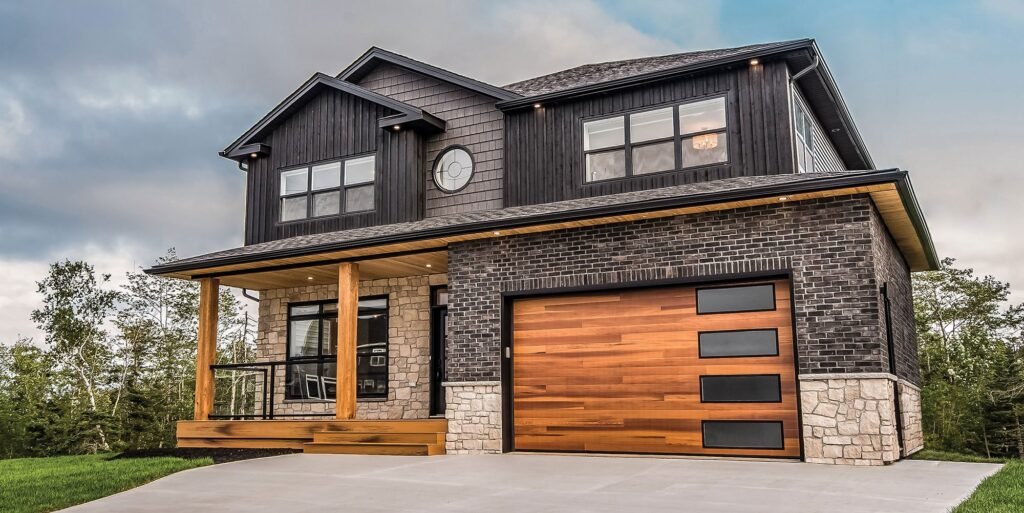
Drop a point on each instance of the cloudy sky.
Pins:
(111, 113)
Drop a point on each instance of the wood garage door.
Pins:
(643, 371)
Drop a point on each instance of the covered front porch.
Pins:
(347, 358)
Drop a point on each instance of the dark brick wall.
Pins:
(892, 269)
(829, 245)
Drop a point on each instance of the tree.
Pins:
(967, 337)
(75, 307)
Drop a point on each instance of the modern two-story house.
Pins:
(685, 254)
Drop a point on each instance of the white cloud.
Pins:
(132, 92)
(15, 128)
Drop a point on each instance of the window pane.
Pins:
(293, 208)
(742, 435)
(705, 149)
(359, 198)
(293, 182)
(602, 166)
(359, 170)
(739, 343)
(326, 203)
(653, 158)
(303, 381)
(744, 298)
(646, 126)
(329, 329)
(702, 116)
(327, 176)
(740, 389)
(302, 339)
(372, 348)
(604, 133)
(304, 310)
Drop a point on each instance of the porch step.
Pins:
(392, 449)
(433, 437)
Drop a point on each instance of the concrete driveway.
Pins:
(548, 483)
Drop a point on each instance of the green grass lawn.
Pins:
(36, 485)
(1002, 492)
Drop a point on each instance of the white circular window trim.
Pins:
(453, 169)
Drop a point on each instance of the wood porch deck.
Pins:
(423, 437)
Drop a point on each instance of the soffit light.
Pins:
(536, 105)
(254, 155)
(754, 62)
(310, 278)
(397, 127)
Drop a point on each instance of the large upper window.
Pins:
(328, 189)
(805, 156)
(653, 141)
(313, 338)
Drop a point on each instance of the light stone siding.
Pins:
(408, 341)
(849, 421)
(910, 404)
(473, 411)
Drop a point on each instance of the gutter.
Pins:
(864, 178)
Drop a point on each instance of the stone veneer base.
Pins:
(849, 420)
(473, 411)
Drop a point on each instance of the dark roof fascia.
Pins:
(910, 204)
(308, 88)
(859, 179)
(828, 81)
(425, 121)
(375, 55)
(244, 152)
(601, 87)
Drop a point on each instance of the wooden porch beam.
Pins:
(348, 312)
(209, 294)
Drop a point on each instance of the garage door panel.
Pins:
(620, 372)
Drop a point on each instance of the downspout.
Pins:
(814, 65)
(245, 292)
(242, 166)
(891, 348)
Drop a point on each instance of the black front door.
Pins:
(438, 340)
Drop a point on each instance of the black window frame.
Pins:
(341, 189)
(775, 298)
(778, 382)
(320, 356)
(705, 422)
(676, 138)
(700, 351)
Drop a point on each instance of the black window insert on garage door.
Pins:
(754, 388)
(736, 343)
(742, 434)
(742, 298)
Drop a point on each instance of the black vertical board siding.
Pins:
(544, 147)
(335, 125)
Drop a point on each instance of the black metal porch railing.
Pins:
(247, 391)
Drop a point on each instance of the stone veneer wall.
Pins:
(849, 420)
(910, 404)
(473, 411)
(408, 344)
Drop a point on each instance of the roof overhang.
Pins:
(406, 115)
(891, 192)
(374, 56)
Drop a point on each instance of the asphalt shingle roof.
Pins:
(589, 74)
(325, 241)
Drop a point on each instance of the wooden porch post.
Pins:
(209, 293)
(348, 311)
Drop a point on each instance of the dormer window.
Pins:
(328, 189)
(653, 141)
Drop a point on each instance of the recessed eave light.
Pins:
(254, 155)
(497, 233)
(783, 198)
(754, 62)
(310, 278)
(536, 105)
(429, 265)
(397, 127)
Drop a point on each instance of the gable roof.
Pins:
(590, 74)
(404, 113)
(375, 56)
(916, 245)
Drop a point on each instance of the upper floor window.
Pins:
(652, 141)
(328, 189)
(802, 127)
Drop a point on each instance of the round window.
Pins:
(453, 169)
